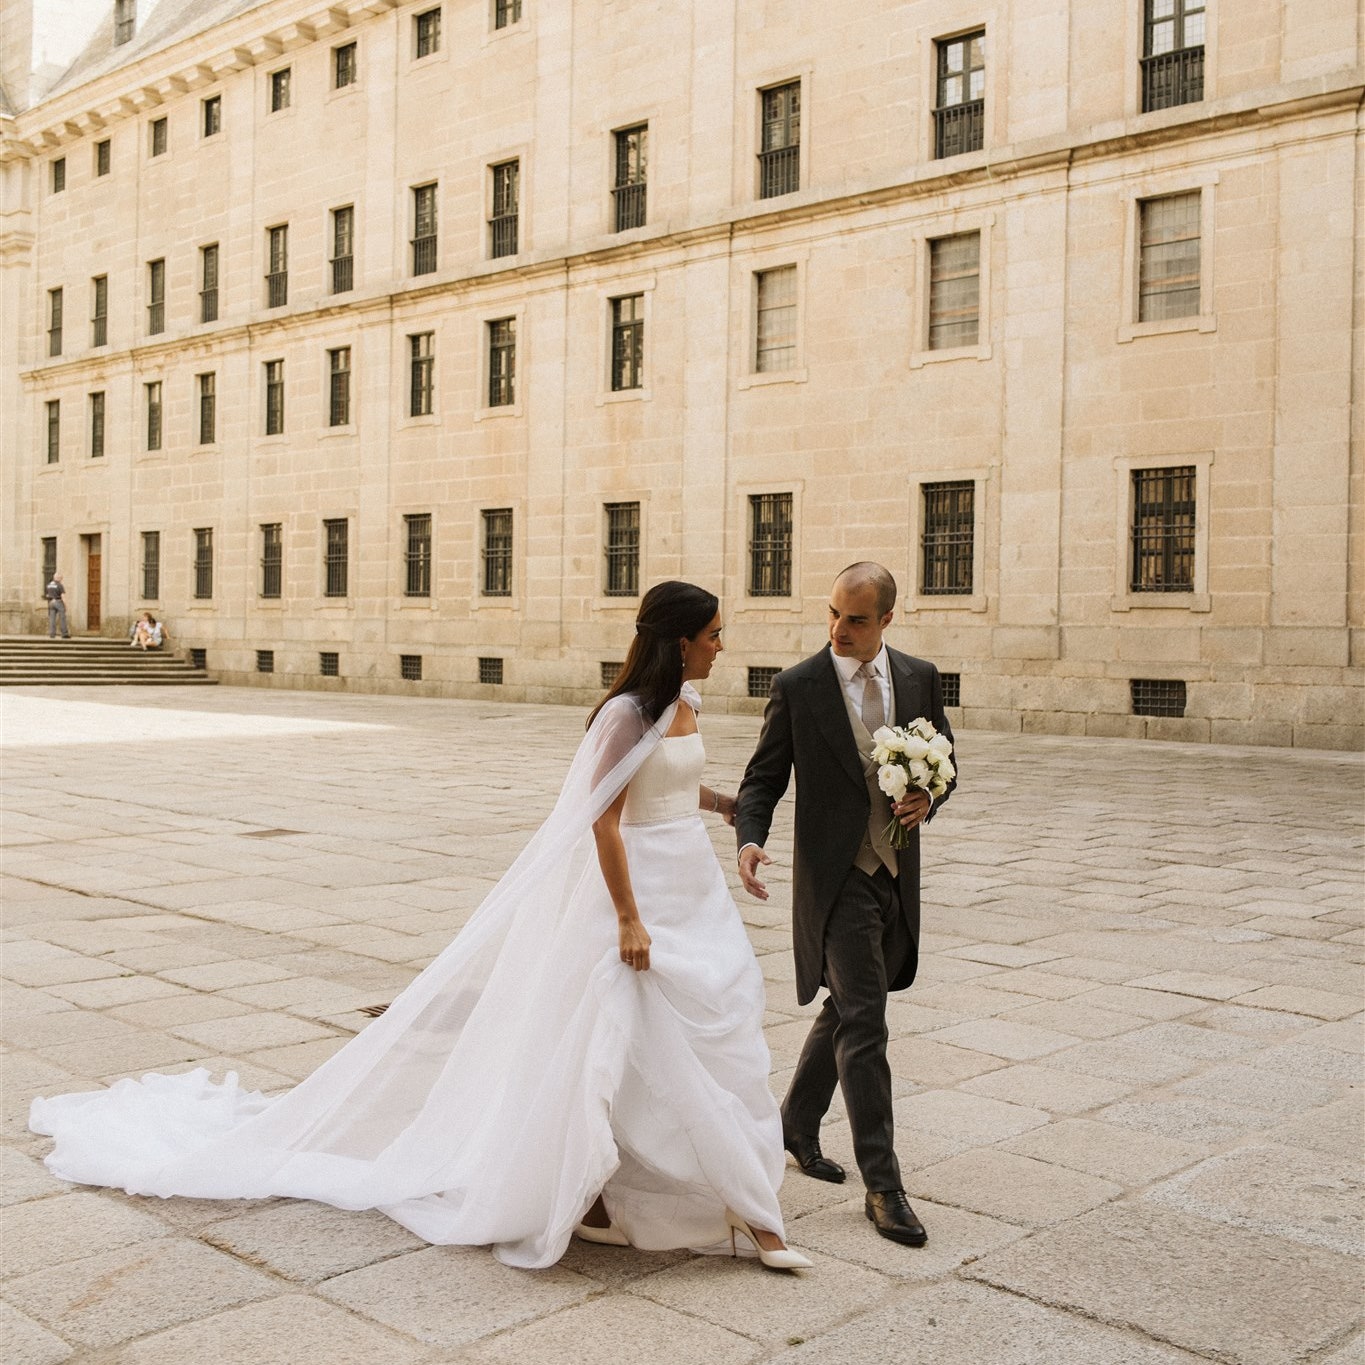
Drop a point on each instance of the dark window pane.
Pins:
(502, 362)
(272, 559)
(497, 552)
(627, 342)
(336, 556)
(417, 555)
(947, 538)
(954, 291)
(1163, 530)
(770, 545)
(623, 549)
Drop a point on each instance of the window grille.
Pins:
(156, 297)
(779, 157)
(277, 276)
(497, 552)
(421, 364)
(629, 188)
(274, 397)
(1157, 696)
(99, 310)
(775, 334)
(1163, 530)
(609, 672)
(54, 430)
(960, 118)
(345, 69)
(49, 558)
(954, 291)
(952, 688)
(761, 680)
(1168, 271)
(336, 556)
(102, 157)
(770, 545)
(152, 400)
(151, 565)
(1173, 54)
(199, 658)
(213, 115)
(280, 82)
(343, 249)
(506, 13)
(125, 21)
(160, 136)
(502, 363)
(627, 342)
(339, 387)
(424, 229)
(265, 661)
(208, 408)
(417, 555)
(54, 322)
(272, 559)
(96, 426)
(203, 562)
(410, 667)
(208, 283)
(947, 538)
(623, 549)
(490, 671)
(427, 32)
(329, 664)
(502, 226)
(58, 175)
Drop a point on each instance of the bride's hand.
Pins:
(635, 943)
(725, 805)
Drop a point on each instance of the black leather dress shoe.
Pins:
(812, 1160)
(890, 1211)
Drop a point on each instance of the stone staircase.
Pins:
(89, 661)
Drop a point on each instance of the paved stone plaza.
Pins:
(1129, 1074)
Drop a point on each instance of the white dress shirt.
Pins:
(847, 668)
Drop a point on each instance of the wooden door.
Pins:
(93, 560)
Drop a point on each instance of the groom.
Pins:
(855, 899)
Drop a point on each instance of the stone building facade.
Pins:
(398, 346)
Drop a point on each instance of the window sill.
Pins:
(426, 419)
(1168, 601)
(493, 414)
(331, 433)
(757, 380)
(206, 448)
(616, 604)
(920, 602)
(919, 359)
(270, 604)
(624, 396)
(1201, 322)
(786, 606)
(511, 606)
(405, 603)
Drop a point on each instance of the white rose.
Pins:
(946, 770)
(937, 788)
(941, 744)
(915, 748)
(885, 736)
(891, 778)
(919, 772)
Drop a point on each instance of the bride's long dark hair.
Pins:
(669, 613)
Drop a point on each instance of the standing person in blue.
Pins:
(855, 899)
(56, 608)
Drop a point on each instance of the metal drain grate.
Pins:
(374, 1011)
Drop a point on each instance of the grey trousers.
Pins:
(866, 944)
(56, 615)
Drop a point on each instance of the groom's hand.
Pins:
(912, 809)
(750, 856)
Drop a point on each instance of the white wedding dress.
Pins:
(526, 1069)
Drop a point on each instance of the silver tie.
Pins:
(873, 712)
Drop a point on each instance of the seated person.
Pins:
(148, 633)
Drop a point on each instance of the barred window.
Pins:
(274, 397)
(151, 394)
(490, 671)
(426, 29)
(421, 377)
(779, 157)
(627, 342)
(203, 562)
(160, 135)
(628, 187)
(952, 688)
(54, 430)
(265, 661)
(954, 291)
(96, 425)
(213, 115)
(125, 21)
(199, 658)
(208, 283)
(280, 82)
(336, 556)
(343, 249)
(277, 266)
(1168, 272)
(156, 297)
(609, 671)
(622, 551)
(423, 229)
(345, 68)
(1163, 529)
(410, 667)
(506, 13)
(502, 226)
(151, 565)
(54, 321)
(208, 407)
(770, 545)
(960, 116)
(103, 157)
(1172, 54)
(329, 664)
(99, 310)
(497, 552)
(417, 555)
(339, 387)
(761, 680)
(775, 344)
(49, 558)
(948, 530)
(1157, 696)
(502, 362)
(58, 175)
(272, 559)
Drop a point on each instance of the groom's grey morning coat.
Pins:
(806, 726)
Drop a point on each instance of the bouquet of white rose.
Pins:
(913, 755)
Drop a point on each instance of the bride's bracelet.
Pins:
(715, 801)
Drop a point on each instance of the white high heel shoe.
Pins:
(609, 1236)
(786, 1259)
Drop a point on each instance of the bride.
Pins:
(586, 1057)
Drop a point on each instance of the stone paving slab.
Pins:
(1128, 1081)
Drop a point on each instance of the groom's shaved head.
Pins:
(867, 574)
